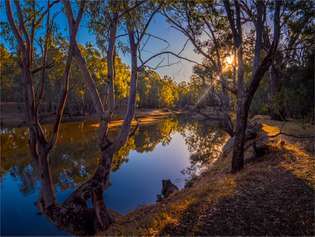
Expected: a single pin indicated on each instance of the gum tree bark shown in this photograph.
(237, 161)
(245, 95)
(95, 187)
(39, 144)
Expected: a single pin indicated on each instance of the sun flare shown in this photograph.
(229, 59)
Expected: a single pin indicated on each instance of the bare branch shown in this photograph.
(44, 60)
(168, 52)
(80, 14)
(46, 11)
(189, 36)
(62, 102)
(147, 25)
(121, 35)
(159, 38)
(48, 66)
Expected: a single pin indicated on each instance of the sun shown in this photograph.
(228, 62)
(229, 59)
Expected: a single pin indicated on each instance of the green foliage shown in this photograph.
(9, 76)
(155, 91)
(296, 97)
(298, 91)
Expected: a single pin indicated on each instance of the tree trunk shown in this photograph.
(47, 186)
(276, 106)
(244, 98)
(125, 128)
(90, 84)
(111, 64)
(243, 105)
(225, 95)
(239, 141)
(241, 119)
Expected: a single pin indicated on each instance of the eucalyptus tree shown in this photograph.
(74, 212)
(94, 187)
(204, 25)
(216, 22)
(24, 25)
(245, 93)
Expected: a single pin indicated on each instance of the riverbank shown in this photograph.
(272, 195)
(142, 116)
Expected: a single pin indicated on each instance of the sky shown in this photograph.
(180, 70)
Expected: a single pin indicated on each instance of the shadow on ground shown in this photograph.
(271, 197)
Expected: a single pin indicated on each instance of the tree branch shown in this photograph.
(131, 8)
(21, 23)
(46, 11)
(167, 52)
(13, 25)
(147, 25)
(48, 66)
(62, 101)
(189, 36)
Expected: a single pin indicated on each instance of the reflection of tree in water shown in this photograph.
(122, 155)
(145, 140)
(14, 149)
(149, 136)
(74, 215)
(27, 177)
(75, 158)
(205, 143)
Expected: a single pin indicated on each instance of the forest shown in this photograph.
(157, 117)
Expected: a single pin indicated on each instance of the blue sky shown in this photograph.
(159, 27)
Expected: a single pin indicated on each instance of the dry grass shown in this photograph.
(273, 195)
(290, 127)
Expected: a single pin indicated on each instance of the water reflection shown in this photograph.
(156, 151)
(205, 144)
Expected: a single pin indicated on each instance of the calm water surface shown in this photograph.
(172, 148)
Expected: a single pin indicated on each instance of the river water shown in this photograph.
(175, 148)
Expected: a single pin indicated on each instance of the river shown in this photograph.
(174, 148)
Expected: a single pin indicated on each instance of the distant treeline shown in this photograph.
(153, 90)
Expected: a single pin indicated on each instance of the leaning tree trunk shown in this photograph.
(245, 97)
(95, 187)
(243, 106)
(109, 150)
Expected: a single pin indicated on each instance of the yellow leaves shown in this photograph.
(8, 70)
(122, 79)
